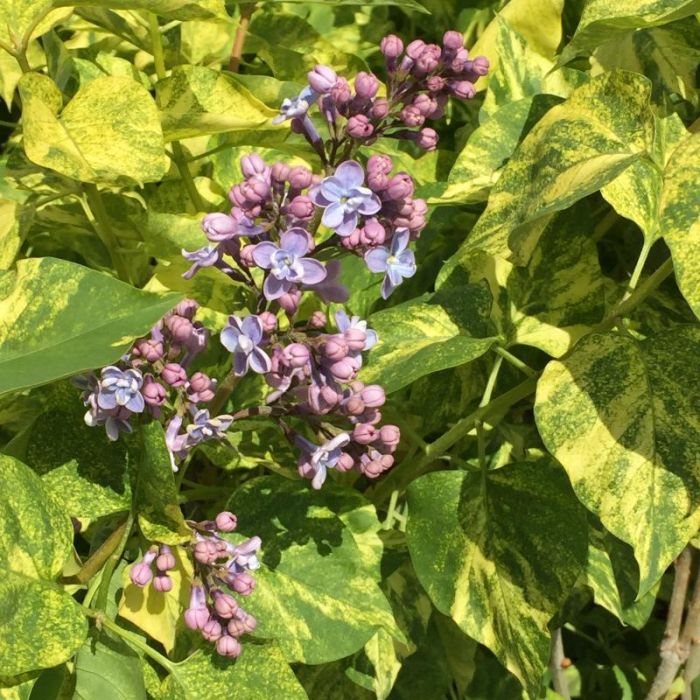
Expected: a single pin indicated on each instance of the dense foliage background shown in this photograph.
(542, 364)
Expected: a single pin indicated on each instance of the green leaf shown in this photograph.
(40, 625)
(427, 334)
(109, 132)
(15, 220)
(36, 534)
(108, 669)
(317, 592)
(601, 20)
(575, 149)
(679, 223)
(17, 17)
(406, 4)
(499, 570)
(58, 319)
(173, 9)
(620, 415)
(553, 301)
(195, 100)
(259, 674)
(156, 501)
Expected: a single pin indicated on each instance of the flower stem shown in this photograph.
(112, 561)
(478, 423)
(515, 361)
(156, 46)
(239, 40)
(636, 273)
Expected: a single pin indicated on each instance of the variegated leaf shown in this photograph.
(621, 416)
(17, 17)
(499, 569)
(173, 9)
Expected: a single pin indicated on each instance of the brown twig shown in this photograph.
(239, 40)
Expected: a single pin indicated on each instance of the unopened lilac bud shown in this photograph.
(174, 374)
(154, 393)
(387, 461)
(380, 163)
(226, 521)
(322, 79)
(400, 186)
(252, 165)
(415, 48)
(243, 583)
(280, 172)
(480, 65)
(435, 83)
(224, 604)
(141, 574)
(203, 386)
(211, 631)
(460, 60)
(374, 232)
(429, 59)
(166, 558)
(345, 462)
(424, 104)
(441, 100)
(427, 139)
(411, 116)
(391, 46)
(299, 177)
(330, 396)
(229, 646)
(242, 623)
(453, 40)
(390, 436)
(373, 395)
(186, 308)
(377, 181)
(151, 350)
(163, 583)
(181, 328)
(268, 321)
(379, 108)
(318, 319)
(334, 348)
(343, 370)
(246, 255)
(341, 93)
(205, 551)
(364, 434)
(219, 227)
(296, 354)
(355, 338)
(372, 469)
(464, 89)
(301, 207)
(355, 406)
(196, 618)
(359, 127)
(366, 85)
(290, 301)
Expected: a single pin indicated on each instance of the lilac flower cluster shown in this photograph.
(141, 573)
(220, 567)
(154, 379)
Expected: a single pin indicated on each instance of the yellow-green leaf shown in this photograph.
(174, 9)
(15, 220)
(621, 416)
(17, 17)
(58, 318)
(499, 569)
(109, 132)
(195, 100)
(575, 149)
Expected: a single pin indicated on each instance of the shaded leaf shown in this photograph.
(174, 9)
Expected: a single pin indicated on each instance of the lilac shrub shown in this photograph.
(283, 238)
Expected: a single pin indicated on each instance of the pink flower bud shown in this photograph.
(226, 521)
(355, 338)
(187, 308)
(268, 321)
(480, 65)
(427, 139)
(163, 583)
(141, 574)
(453, 40)
(424, 104)
(229, 646)
(364, 434)
(196, 618)
(464, 89)
(343, 370)
(411, 116)
(153, 393)
(460, 60)
(341, 93)
(435, 83)
(400, 186)
(334, 347)
(391, 46)
(441, 100)
(242, 623)
(243, 583)
(181, 328)
(296, 355)
(366, 85)
(246, 256)
(322, 79)
(380, 163)
(390, 436)
(301, 207)
(150, 350)
(345, 462)
(377, 181)
(359, 127)
(355, 406)
(387, 461)
(318, 319)
(374, 232)
(290, 301)
(224, 604)
(166, 559)
(280, 172)
(373, 395)
(205, 551)
(173, 374)
(372, 469)
(415, 48)
(379, 108)
(252, 165)
(212, 630)
(299, 177)
(429, 59)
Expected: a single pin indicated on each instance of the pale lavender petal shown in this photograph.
(240, 363)
(342, 321)
(136, 403)
(274, 288)
(372, 339)
(350, 174)
(316, 196)
(387, 288)
(106, 401)
(259, 361)
(371, 204)
(332, 189)
(295, 241)
(376, 259)
(349, 223)
(252, 327)
(262, 253)
(314, 271)
(400, 241)
(229, 338)
(319, 477)
(394, 275)
(333, 215)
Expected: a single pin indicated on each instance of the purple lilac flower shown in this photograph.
(344, 198)
(316, 461)
(204, 257)
(205, 428)
(346, 324)
(120, 388)
(286, 263)
(397, 262)
(296, 106)
(242, 338)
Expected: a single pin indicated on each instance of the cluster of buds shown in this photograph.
(222, 569)
(141, 573)
(154, 378)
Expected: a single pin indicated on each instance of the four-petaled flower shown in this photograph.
(204, 257)
(397, 262)
(120, 388)
(344, 198)
(242, 338)
(286, 263)
(316, 461)
(205, 428)
(296, 106)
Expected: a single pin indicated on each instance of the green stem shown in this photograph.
(515, 361)
(485, 399)
(104, 229)
(180, 160)
(111, 564)
(130, 638)
(643, 255)
(156, 45)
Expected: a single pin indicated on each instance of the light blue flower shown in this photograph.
(397, 262)
(296, 106)
(242, 338)
(120, 388)
(205, 428)
(204, 257)
(315, 461)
